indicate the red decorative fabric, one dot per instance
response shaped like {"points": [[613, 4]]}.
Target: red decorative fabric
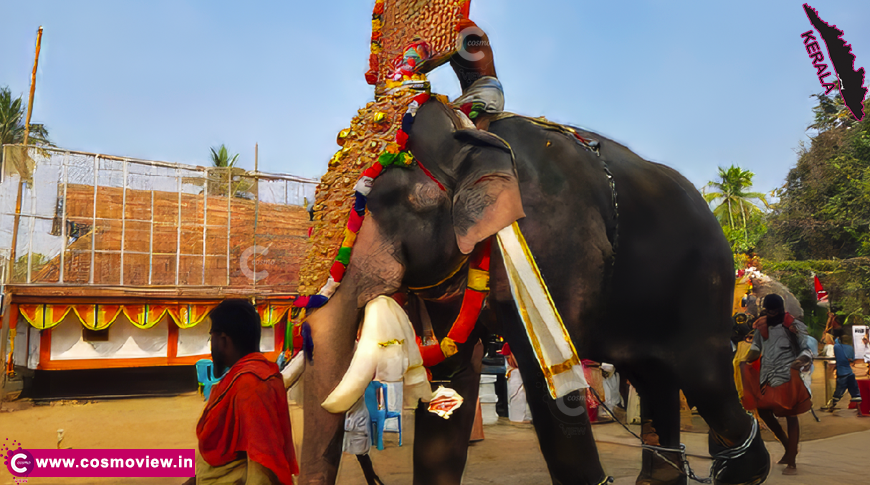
{"points": [[761, 325], [472, 301], [432, 354], [354, 222], [401, 139], [373, 171], [337, 271], [247, 413], [789, 399]]}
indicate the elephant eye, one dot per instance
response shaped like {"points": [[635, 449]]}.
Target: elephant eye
{"points": [[426, 196]]}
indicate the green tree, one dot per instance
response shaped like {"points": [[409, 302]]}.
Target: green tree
{"points": [[220, 157], [734, 207], [831, 112], [12, 114], [821, 223], [824, 206]]}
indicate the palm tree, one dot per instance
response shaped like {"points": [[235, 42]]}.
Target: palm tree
{"points": [[831, 112], [220, 157], [12, 113], [732, 197]]}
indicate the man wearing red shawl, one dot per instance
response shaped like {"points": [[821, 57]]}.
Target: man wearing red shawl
{"points": [[244, 431]]}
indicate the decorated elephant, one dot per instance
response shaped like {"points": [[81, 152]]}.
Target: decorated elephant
{"points": [[614, 237]]}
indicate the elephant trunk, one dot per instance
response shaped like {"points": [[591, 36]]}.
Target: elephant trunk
{"points": [[374, 270], [333, 331]]}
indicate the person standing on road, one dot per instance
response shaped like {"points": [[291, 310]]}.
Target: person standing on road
{"points": [[845, 355], [780, 341], [244, 431]]}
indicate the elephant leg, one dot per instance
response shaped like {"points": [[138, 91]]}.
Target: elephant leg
{"points": [[441, 446], [739, 456], [562, 425], [660, 425]]}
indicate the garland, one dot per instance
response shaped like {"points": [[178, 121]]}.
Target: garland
{"points": [[394, 154], [476, 291]]}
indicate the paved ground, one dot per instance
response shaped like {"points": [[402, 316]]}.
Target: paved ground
{"points": [[509, 455]]}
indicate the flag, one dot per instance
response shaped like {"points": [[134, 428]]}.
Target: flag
{"points": [[821, 294]]}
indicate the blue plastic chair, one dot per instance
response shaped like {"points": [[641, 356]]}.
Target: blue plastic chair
{"points": [[205, 376], [378, 406]]}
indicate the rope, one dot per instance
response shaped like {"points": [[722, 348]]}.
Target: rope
{"points": [[683, 467]]}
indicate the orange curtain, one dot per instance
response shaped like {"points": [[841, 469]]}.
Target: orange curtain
{"points": [[145, 316], [187, 316], [44, 317], [271, 315], [97, 317]]}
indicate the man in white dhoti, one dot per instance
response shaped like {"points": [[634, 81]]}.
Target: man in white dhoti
{"points": [[612, 398], [518, 408]]}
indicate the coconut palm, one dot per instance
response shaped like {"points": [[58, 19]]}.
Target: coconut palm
{"points": [[831, 112], [220, 157], [12, 112], [731, 197]]}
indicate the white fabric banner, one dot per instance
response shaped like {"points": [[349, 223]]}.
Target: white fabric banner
{"points": [[544, 327]]}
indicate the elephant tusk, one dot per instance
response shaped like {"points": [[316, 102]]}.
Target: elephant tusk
{"points": [[293, 371], [359, 374], [386, 351]]}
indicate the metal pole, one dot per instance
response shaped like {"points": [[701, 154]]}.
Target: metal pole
{"points": [[229, 218], [204, 223], [94, 221], [33, 199], [63, 219], [178, 236], [256, 204], [21, 176], [151, 232], [7, 310], [123, 219]]}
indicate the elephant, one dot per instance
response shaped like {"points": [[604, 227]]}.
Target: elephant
{"points": [[634, 261]]}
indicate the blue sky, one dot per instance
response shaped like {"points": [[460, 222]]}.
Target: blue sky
{"points": [[692, 84]]}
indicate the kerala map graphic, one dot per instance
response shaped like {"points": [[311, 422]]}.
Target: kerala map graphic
{"points": [[840, 54]]}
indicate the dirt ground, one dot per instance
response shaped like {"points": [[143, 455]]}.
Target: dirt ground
{"points": [[833, 451]]}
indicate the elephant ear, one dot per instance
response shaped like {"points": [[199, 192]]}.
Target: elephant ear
{"points": [[486, 196]]}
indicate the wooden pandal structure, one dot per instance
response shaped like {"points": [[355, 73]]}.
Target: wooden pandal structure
{"points": [[116, 246]]}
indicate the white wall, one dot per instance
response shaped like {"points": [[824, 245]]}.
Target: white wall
{"points": [[194, 341], [125, 341]]}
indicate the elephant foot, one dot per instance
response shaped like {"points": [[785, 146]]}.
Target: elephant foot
{"points": [[746, 464], [656, 470]]}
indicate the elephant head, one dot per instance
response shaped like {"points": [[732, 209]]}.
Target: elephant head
{"points": [[423, 223]]}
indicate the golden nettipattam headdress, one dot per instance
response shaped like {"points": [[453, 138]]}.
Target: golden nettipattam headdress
{"points": [[409, 38]]}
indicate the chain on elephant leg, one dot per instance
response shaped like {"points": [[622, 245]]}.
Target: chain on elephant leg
{"points": [[658, 467]]}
